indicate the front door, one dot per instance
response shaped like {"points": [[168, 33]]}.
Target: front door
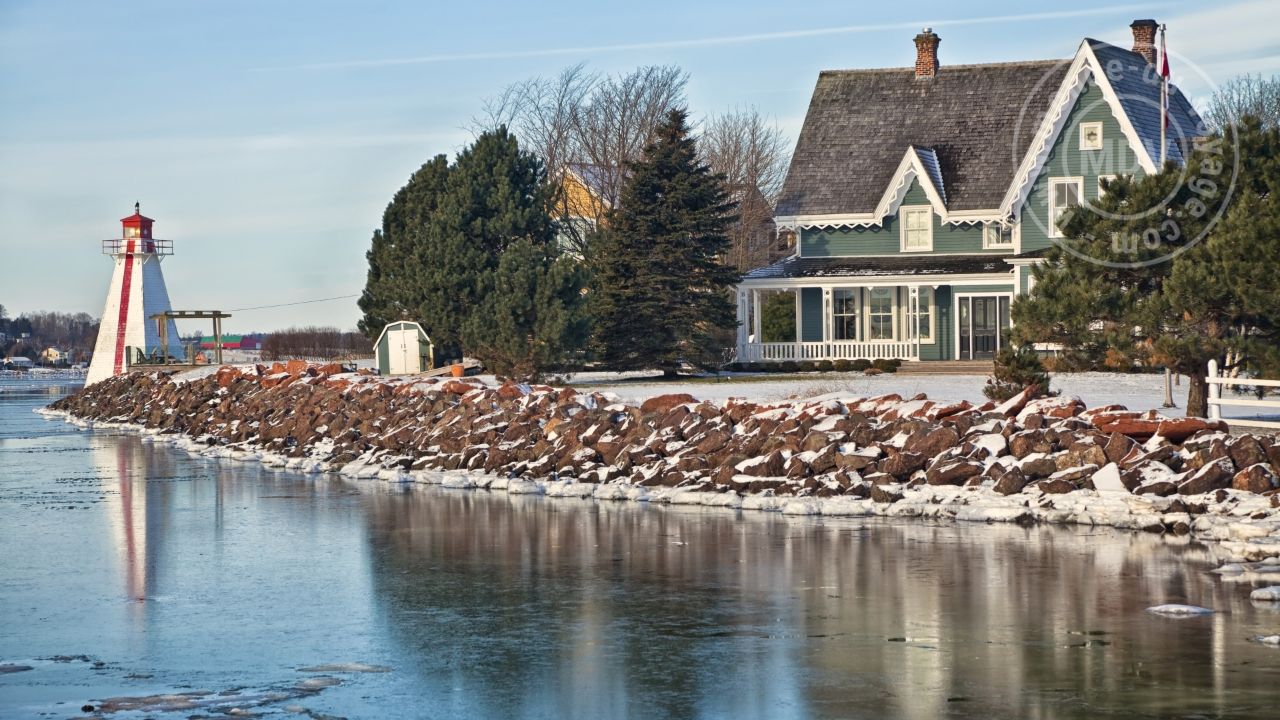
{"points": [[984, 323]]}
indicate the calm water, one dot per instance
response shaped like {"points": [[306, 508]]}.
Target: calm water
{"points": [[173, 574]]}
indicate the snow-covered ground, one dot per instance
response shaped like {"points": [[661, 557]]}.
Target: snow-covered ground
{"points": [[1137, 392]]}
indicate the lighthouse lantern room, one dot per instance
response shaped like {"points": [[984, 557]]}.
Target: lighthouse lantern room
{"points": [[137, 292]]}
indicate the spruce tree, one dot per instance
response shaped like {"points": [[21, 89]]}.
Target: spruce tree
{"points": [[495, 194], [391, 283], [529, 318], [659, 287], [1210, 299]]}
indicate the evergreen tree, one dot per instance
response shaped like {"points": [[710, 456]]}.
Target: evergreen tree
{"points": [[530, 316], [495, 194], [391, 283], [1215, 297], [1016, 369], [659, 288]]}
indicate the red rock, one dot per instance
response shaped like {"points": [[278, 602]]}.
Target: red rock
{"points": [[954, 473], [227, 375], [295, 367], [1179, 429], [941, 410], [330, 369], [1256, 478], [1055, 486], [566, 393], [1213, 476], [1015, 404], [663, 403], [931, 442], [457, 387], [510, 391]]}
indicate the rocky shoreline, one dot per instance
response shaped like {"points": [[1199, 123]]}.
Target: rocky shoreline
{"points": [[1047, 460]]}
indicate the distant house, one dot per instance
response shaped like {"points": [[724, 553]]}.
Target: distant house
{"points": [[586, 197], [18, 362], [229, 342], [54, 356], [921, 196]]}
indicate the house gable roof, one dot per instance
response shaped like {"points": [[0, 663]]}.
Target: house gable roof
{"points": [[860, 122], [976, 135]]}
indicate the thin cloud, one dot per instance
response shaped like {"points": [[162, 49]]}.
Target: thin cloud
{"points": [[712, 41]]}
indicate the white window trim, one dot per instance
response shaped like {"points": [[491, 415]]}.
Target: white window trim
{"points": [[1054, 232], [902, 222], [1084, 126], [988, 245], [893, 314], [931, 307], [1109, 178], [856, 314]]}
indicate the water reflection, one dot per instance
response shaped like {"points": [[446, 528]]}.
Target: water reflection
{"points": [[540, 607]]}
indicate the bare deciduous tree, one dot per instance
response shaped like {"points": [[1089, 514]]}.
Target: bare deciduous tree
{"points": [[588, 124], [752, 154], [1245, 95], [315, 343]]}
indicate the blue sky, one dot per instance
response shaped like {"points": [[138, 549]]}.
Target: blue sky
{"points": [[266, 137]]}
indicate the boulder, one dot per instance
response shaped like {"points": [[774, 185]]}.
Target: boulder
{"points": [[901, 465], [1055, 486], [771, 465], [664, 403], [1118, 447], [1011, 482], [1213, 476], [1159, 488], [953, 473], [884, 494], [1246, 450], [931, 442], [1027, 442], [1256, 478], [1037, 466]]}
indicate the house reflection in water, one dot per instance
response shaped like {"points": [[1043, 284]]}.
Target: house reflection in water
{"points": [[579, 609]]}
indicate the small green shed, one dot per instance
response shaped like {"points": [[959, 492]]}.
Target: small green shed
{"points": [[403, 348]]}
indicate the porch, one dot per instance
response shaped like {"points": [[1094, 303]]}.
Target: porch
{"points": [[834, 319]]}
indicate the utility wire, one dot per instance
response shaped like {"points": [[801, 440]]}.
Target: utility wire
{"points": [[300, 302]]}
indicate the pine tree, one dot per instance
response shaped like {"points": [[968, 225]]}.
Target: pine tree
{"points": [[659, 286], [391, 283], [1017, 367], [530, 316], [495, 194], [1213, 297]]}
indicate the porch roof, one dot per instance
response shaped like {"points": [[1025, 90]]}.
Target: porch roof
{"points": [[802, 267]]}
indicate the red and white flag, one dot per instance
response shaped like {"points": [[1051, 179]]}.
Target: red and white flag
{"points": [[1164, 80]]}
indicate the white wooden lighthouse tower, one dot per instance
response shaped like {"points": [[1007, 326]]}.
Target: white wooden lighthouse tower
{"points": [[137, 292]]}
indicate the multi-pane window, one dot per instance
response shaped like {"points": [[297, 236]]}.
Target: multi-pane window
{"points": [[917, 228], [1064, 195], [880, 314], [925, 323], [997, 235], [844, 311]]}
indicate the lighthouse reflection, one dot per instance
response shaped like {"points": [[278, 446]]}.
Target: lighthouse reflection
{"points": [[136, 503]]}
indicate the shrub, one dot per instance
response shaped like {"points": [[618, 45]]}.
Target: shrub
{"points": [[788, 366], [861, 364], [871, 371], [807, 365], [825, 366], [1017, 368], [884, 365], [843, 365]]}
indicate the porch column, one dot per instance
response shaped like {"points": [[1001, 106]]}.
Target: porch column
{"points": [[755, 315], [742, 322], [913, 317], [828, 327]]}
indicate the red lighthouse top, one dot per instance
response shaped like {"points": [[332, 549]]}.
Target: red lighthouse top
{"points": [[136, 225]]}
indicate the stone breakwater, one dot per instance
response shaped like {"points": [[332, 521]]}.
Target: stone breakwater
{"points": [[1050, 460]]}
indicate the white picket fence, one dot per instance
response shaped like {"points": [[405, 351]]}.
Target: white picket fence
{"points": [[1216, 401]]}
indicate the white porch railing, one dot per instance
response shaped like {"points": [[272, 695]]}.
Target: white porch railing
{"points": [[834, 350], [1216, 402]]}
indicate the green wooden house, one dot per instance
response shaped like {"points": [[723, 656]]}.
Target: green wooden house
{"points": [[920, 196]]}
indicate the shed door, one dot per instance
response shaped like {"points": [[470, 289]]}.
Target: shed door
{"points": [[401, 349]]}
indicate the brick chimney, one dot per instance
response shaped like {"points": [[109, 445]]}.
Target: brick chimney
{"points": [[927, 54], [1144, 39]]}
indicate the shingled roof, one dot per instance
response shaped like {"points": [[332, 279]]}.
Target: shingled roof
{"points": [[860, 122]]}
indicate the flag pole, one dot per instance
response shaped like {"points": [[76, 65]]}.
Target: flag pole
{"points": [[1164, 97]]}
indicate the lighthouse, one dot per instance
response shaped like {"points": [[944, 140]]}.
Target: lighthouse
{"points": [[137, 292]]}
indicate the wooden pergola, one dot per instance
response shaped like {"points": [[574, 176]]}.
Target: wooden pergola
{"points": [[217, 316]]}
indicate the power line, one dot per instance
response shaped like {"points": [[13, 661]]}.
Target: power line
{"points": [[300, 302]]}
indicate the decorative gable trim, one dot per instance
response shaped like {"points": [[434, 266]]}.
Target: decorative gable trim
{"points": [[1084, 67], [918, 165]]}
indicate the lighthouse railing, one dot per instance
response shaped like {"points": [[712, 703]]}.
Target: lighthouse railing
{"points": [[118, 246]]}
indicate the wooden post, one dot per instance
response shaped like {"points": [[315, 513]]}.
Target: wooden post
{"points": [[163, 331], [217, 338], [1168, 389], [1215, 392]]}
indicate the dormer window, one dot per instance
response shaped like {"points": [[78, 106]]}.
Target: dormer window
{"points": [[917, 228], [1091, 136], [997, 236]]}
